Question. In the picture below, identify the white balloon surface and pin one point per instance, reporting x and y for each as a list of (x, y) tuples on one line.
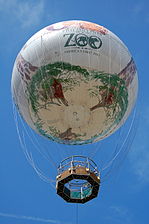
[(74, 82)]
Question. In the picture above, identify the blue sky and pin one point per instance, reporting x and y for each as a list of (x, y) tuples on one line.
[(24, 197)]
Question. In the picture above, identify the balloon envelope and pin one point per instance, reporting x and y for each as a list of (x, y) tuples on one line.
[(74, 82)]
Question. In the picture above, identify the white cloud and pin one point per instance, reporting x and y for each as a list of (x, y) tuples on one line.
[(27, 13)]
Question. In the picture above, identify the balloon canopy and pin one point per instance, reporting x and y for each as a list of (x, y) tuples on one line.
[(74, 82)]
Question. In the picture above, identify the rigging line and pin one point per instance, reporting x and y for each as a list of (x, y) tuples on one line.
[(14, 92), (37, 169), (39, 150), (33, 143), (117, 154), (42, 176), (119, 133), (16, 95), (127, 136), (60, 152), (31, 139), (116, 147), (120, 130), (109, 171), (90, 85), (97, 148), (101, 147), (32, 163), (45, 150), (30, 132), (109, 86), (21, 143), (129, 143), (119, 142), (56, 151), (20, 116), (106, 175), (123, 142), (103, 165), (77, 214), (26, 153), (36, 142), (66, 151), (109, 65), (39, 69), (21, 139), (130, 140), (30, 158)]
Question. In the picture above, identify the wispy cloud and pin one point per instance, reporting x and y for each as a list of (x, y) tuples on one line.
[(30, 218), (119, 215), (139, 155), (27, 13), (138, 8), (140, 11), (140, 163)]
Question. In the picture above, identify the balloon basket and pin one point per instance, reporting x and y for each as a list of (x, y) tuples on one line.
[(78, 179)]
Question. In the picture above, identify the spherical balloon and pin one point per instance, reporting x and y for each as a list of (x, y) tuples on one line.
[(74, 82)]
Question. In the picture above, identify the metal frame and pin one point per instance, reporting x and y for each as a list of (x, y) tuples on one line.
[(78, 179)]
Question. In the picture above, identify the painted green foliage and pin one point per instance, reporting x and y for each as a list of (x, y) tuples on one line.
[(113, 92), (44, 78), (51, 81)]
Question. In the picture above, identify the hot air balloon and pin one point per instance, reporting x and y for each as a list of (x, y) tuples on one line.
[(75, 83)]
